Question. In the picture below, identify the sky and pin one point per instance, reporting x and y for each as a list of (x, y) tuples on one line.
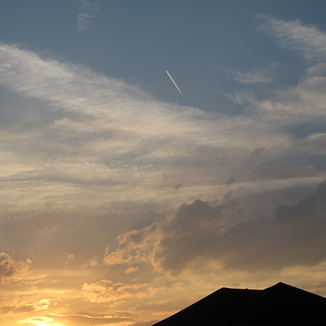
[(125, 196)]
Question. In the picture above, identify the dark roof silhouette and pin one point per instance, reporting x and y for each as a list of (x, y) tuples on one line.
[(280, 304)]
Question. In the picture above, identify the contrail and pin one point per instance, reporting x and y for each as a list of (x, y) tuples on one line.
[(174, 83)]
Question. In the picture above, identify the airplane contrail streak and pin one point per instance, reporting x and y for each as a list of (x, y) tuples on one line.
[(174, 83)]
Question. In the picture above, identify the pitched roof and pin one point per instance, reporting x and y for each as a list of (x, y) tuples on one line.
[(280, 304)]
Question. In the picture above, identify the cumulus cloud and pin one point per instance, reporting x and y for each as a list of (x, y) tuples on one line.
[(9, 269), (234, 235)]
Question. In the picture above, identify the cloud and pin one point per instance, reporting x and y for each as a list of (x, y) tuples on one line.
[(294, 35), (77, 319), (86, 15), (314, 143), (258, 75), (97, 131), (108, 291), (148, 323), (101, 131), (301, 105), (24, 307), (53, 81), (89, 162), (131, 270), (9, 269), (240, 235), (83, 151)]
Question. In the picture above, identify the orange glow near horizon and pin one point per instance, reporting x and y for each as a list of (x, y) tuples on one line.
[(41, 321), (121, 203)]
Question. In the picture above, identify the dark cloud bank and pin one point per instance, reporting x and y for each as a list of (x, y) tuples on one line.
[(232, 234)]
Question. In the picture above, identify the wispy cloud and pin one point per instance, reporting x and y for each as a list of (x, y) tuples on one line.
[(77, 319), (81, 151), (308, 40), (99, 112), (99, 131), (86, 15), (257, 76), (124, 134)]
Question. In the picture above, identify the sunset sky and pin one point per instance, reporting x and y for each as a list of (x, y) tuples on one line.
[(123, 201)]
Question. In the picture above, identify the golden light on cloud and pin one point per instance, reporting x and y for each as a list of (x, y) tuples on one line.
[(40, 321), (119, 207)]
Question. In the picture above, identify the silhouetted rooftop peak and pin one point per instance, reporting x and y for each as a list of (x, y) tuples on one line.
[(280, 304)]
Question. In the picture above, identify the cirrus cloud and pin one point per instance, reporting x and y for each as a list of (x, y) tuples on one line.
[(308, 40)]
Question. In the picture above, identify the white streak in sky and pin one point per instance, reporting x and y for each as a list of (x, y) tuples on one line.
[(174, 83)]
